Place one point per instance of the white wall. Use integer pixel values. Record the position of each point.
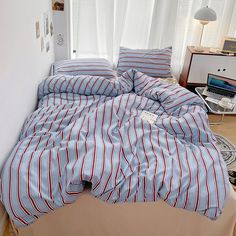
(62, 27)
(22, 66)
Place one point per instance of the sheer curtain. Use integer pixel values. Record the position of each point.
(100, 27)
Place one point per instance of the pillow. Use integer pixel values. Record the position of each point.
(152, 62)
(89, 66)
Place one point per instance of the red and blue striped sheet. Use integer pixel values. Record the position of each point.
(89, 129)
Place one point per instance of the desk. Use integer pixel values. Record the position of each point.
(212, 107)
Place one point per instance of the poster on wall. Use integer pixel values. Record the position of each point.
(42, 44)
(47, 47)
(51, 29)
(60, 40)
(37, 29)
(58, 5)
(46, 24)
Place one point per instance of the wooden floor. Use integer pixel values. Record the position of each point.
(227, 128)
(9, 231)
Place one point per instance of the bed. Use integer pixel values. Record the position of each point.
(138, 142)
(89, 216)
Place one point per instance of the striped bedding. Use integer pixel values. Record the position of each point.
(152, 62)
(84, 66)
(89, 129)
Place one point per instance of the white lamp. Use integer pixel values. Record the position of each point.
(204, 15)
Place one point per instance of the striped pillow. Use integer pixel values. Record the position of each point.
(152, 62)
(88, 66)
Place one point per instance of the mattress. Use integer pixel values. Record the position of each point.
(89, 216)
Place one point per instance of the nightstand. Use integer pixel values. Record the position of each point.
(197, 65)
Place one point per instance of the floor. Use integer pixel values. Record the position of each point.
(8, 231)
(227, 128)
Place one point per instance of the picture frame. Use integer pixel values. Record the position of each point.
(42, 44)
(46, 24)
(51, 29)
(228, 45)
(37, 29)
(58, 5)
(47, 47)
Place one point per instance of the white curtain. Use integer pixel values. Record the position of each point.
(100, 27)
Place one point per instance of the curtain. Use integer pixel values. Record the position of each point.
(100, 27)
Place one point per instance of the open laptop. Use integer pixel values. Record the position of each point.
(219, 87)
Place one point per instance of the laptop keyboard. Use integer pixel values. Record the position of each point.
(219, 92)
(215, 95)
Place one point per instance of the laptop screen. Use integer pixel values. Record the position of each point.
(220, 82)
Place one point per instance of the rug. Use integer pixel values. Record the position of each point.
(229, 156)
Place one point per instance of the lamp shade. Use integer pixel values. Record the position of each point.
(205, 14)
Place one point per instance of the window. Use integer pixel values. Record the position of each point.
(100, 27)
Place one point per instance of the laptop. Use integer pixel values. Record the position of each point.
(219, 87)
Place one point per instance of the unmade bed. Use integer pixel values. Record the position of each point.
(134, 139)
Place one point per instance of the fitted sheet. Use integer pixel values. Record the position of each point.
(89, 216)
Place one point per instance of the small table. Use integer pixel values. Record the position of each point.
(212, 107)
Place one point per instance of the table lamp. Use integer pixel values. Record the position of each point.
(204, 16)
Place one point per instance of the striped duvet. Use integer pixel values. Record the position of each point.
(89, 129)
